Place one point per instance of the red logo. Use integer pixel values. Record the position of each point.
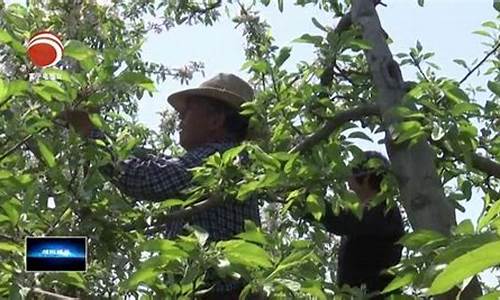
(45, 49)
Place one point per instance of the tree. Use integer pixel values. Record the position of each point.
(437, 137)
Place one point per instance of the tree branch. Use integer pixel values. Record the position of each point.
(488, 166)
(7, 238)
(334, 123)
(15, 147)
(181, 214)
(483, 164)
(50, 294)
(480, 63)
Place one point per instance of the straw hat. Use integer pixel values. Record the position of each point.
(227, 88)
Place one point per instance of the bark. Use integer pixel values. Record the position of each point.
(422, 194)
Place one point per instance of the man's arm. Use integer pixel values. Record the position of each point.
(373, 222)
(147, 177)
(153, 177)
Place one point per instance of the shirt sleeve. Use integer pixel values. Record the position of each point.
(374, 222)
(153, 177)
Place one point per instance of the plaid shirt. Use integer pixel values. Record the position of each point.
(159, 177)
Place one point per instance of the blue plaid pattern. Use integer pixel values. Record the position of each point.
(159, 177)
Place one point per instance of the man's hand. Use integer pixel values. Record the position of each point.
(79, 120)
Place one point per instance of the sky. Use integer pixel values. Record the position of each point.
(442, 26)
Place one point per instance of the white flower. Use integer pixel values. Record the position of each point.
(104, 2)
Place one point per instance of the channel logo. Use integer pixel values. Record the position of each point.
(56, 254)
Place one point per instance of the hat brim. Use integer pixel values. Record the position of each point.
(178, 102)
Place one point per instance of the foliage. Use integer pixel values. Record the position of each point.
(41, 161)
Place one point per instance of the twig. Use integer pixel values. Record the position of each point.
(335, 122)
(16, 146)
(50, 294)
(483, 164)
(207, 8)
(480, 63)
(58, 221)
(7, 238)
(158, 225)
(417, 64)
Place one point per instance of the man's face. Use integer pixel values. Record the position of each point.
(199, 124)
(360, 185)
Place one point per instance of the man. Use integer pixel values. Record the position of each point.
(210, 122)
(368, 245)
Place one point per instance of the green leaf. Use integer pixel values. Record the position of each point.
(490, 24)
(11, 210)
(78, 50)
(5, 37)
(255, 236)
(496, 5)
(408, 130)
(4, 174)
(492, 295)
(315, 206)
(246, 189)
(318, 25)
(10, 247)
(283, 156)
(164, 246)
(464, 228)
(170, 202)
(268, 161)
(419, 238)
(63, 75)
(47, 154)
(245, 253)
(137, 78)
(309, 39)
(280, 5)
(465, 107)
(158, 261)
(282, 56)
(400, 281)
(421, 3)
(18, 87)
(494, 87)
(359, 135)
(461, 62)
(463, 245)
(296, 258)
(143, 275)
(482, 33)
(260, 66)
(229, 155)
(96, 120)
(4, 90)
(466, 266)
(493, 211)
(467, 130)
(314, 288)
(454, 93)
